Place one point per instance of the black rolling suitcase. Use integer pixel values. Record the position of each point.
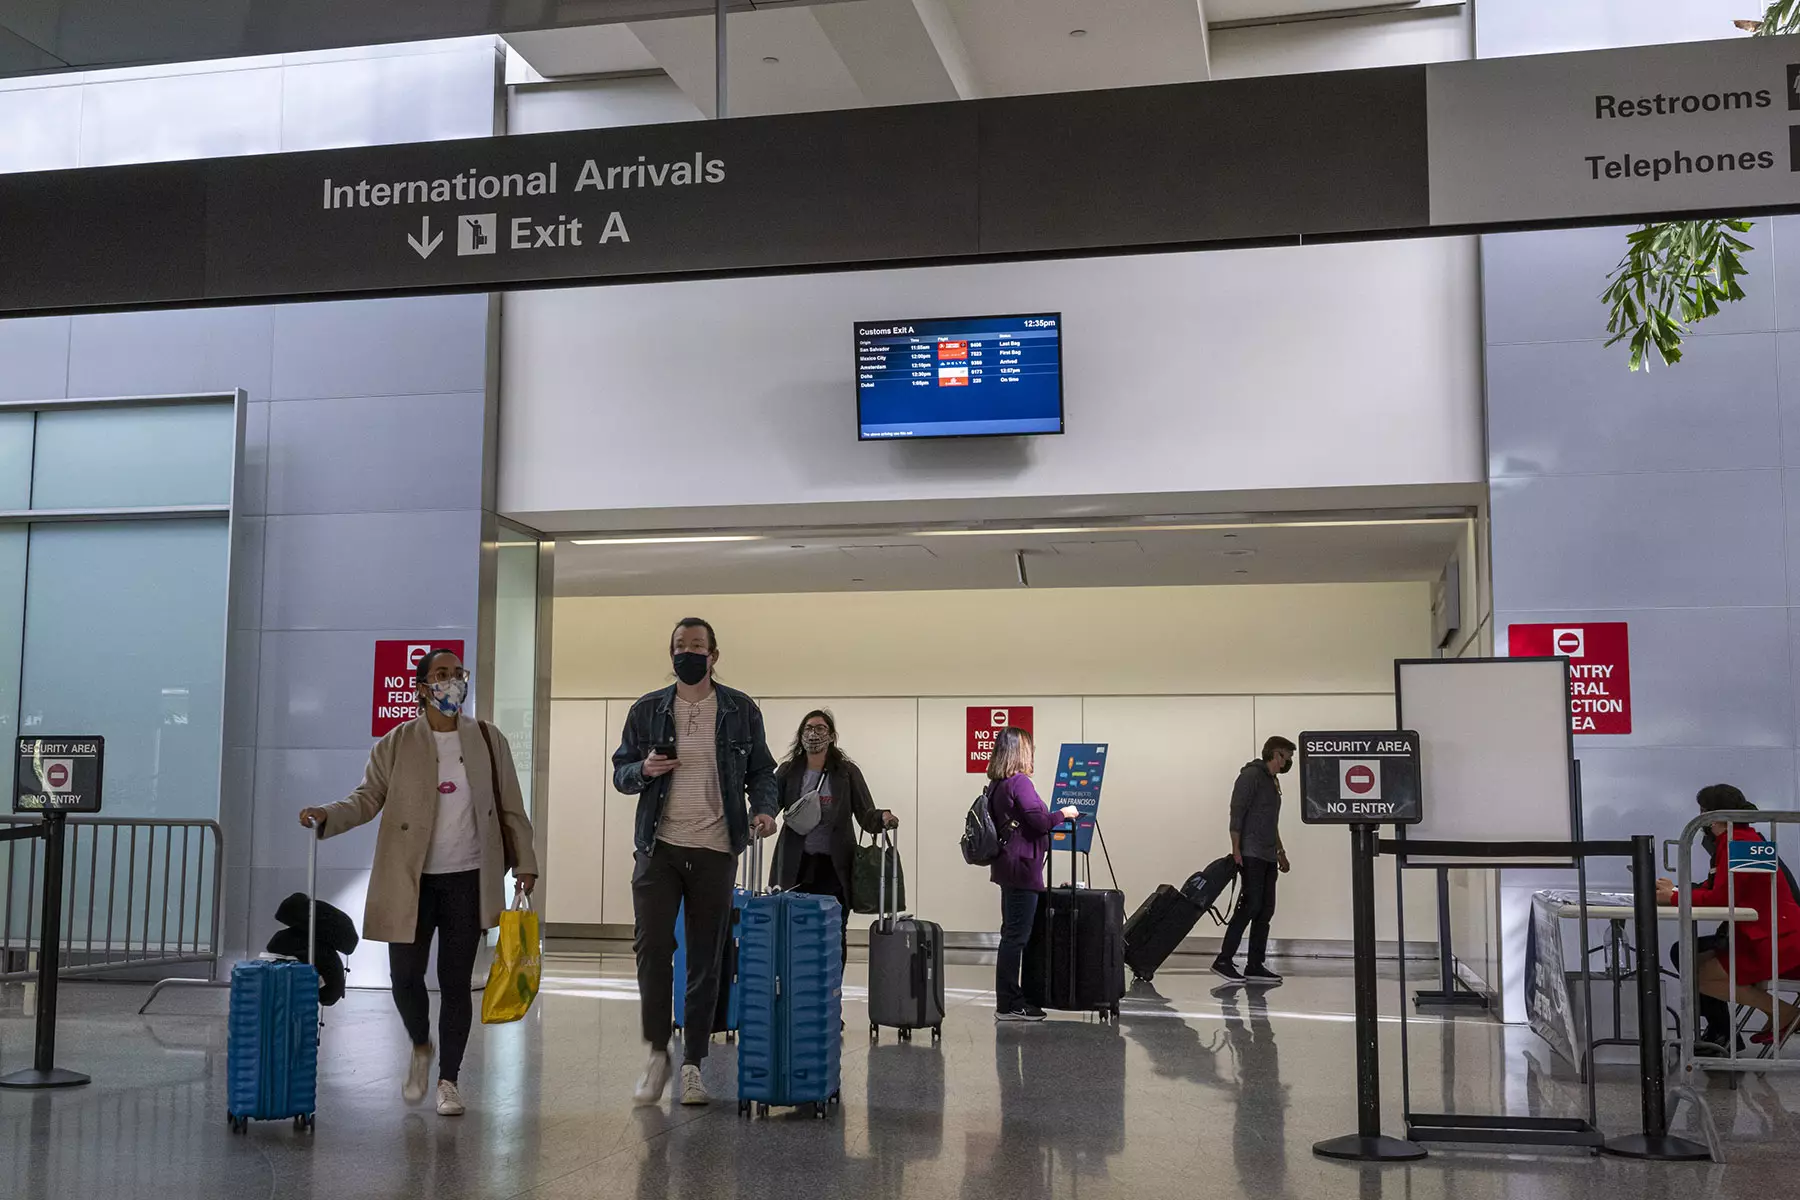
(1075, 960)
(1170, 913)
(1157, 928)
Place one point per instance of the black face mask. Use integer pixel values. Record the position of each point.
(691, 668)
(1287, 764)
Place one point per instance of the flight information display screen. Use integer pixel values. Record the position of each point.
(959, 377)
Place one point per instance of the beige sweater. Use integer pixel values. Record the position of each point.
(400, 784)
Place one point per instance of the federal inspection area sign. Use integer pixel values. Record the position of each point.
(58, 774)
(1360, 778)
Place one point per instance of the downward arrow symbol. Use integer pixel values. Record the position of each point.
(425, 243)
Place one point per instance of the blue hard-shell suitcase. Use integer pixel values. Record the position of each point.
(726, 1016)
(272, 1041)
(790, 1033)
(272, 1054)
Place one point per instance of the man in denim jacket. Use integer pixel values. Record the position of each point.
(694, 755)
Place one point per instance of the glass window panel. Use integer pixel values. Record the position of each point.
(515, 649)
(14, 856)
(125, 637)
(134, 457)
(15, 459)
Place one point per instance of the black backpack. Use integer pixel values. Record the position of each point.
(1205, 886)
(981, 841)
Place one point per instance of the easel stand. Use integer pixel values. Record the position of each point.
(44, 1073)
(1368, 1143)
(1451, 991)
(1655, 1141)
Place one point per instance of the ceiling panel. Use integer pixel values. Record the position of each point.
(1378, 552)
(807, 74)
(1023, 46)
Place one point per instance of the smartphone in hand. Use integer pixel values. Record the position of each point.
(666, 749)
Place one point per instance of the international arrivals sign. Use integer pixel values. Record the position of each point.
(1604, 137)
(1599, 655)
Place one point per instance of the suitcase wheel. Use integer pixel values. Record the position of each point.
(730, 1036)
(743, 1108)
(906, 1035)
(237, 1125)
(762, 1110)
(874, 1032)
(937, 1034)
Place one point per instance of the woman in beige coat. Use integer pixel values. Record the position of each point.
(452, 824)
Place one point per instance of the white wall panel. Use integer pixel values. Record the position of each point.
(949, 890)
(581, 793)
(1170, 765)
(1180, 368)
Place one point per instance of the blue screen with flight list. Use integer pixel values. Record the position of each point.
(959, 377)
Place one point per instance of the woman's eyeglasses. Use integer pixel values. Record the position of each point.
(460, 675)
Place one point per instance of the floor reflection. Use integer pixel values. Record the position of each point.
(1062, 1111)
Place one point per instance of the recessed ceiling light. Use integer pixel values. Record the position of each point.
(856, 581)
(1240, 571)
(1327, 524)
(1077, 33)
(1237, 553)
(664, 541)
(770, 58)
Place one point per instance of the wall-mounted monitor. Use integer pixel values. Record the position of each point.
(948, 377)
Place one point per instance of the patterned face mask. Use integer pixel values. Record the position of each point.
(447, 695)
(815, 740)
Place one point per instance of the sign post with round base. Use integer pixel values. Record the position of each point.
(1368, 1143)
(43, 1072)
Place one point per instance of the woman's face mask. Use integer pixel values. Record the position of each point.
(447, 695)
(815, 740)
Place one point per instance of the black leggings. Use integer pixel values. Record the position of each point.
(819, 877)
(449, 906)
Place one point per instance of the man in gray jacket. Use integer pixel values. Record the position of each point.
(1256, 845)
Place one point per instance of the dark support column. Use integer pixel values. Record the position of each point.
(1367, 1144)
(1655, 1142)
(44, 1072)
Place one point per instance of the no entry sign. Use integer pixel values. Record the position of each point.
(58, 774)
(985, 723)
(395, 699)
(1599, 655)
(1366, 778)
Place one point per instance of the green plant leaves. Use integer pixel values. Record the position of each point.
(1677, 272)
(1673, 274)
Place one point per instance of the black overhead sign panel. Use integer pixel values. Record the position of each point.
(1250, 160)
(1598, 138)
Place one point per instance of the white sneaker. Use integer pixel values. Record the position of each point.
(654, 1079)
(449, 1100)
(418, 1075)
(693, 1091)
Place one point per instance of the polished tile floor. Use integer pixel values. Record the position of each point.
(1194, 1096)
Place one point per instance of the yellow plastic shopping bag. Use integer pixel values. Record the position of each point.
(518, 966)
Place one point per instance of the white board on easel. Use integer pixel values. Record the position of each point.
(1496, 750)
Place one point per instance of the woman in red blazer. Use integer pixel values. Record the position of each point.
(1768, 947)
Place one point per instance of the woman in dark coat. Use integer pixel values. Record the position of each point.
(819, 861)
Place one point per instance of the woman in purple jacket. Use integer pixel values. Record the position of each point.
(1024, 824)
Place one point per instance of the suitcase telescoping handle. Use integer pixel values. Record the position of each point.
(312, 894)
(753, 864)
(889, 857)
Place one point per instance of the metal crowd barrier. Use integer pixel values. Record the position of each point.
(1751, 892)
(139, 893)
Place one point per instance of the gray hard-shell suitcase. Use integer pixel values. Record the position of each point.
(906, 964)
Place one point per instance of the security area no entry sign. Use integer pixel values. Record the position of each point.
(1366, 778)
(58, 774)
